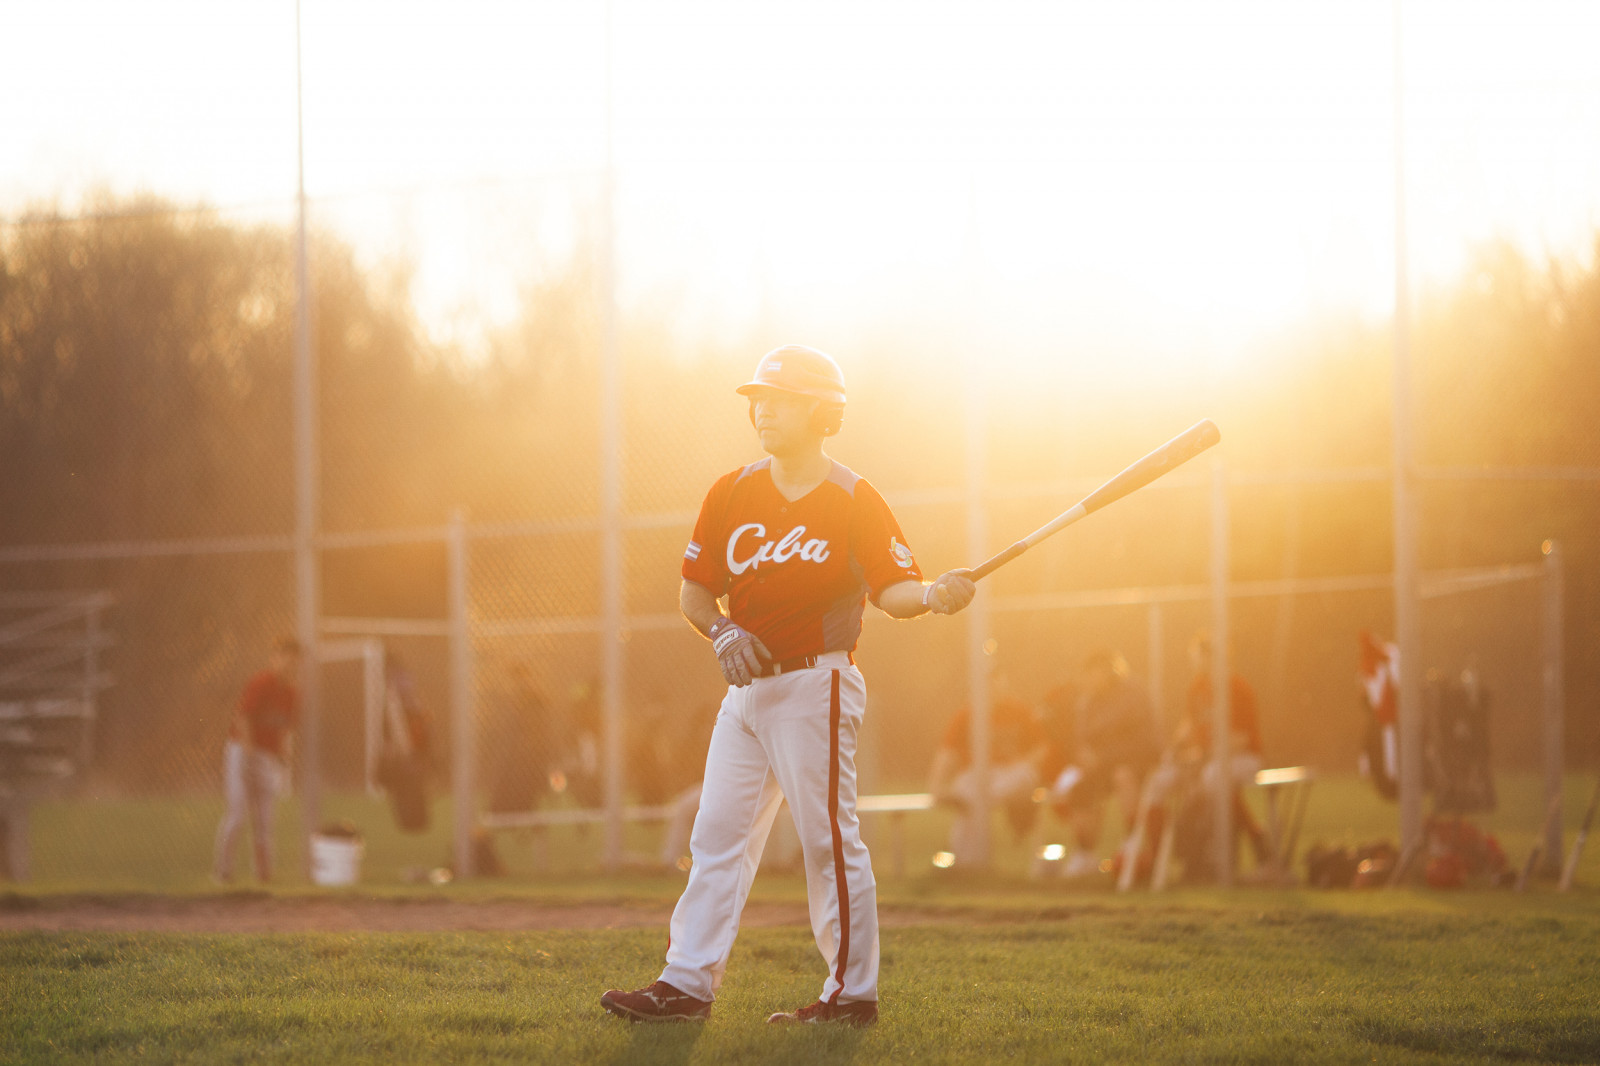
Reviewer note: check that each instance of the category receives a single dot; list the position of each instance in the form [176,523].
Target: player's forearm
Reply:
[945,594]
[699,606]
[903,600]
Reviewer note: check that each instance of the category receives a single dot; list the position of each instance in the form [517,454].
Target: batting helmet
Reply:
[807,372]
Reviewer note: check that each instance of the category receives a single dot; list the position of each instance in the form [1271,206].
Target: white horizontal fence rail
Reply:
[1435,584]
[284,543]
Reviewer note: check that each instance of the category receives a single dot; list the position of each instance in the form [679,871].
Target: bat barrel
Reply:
[987,567]
[1177,451]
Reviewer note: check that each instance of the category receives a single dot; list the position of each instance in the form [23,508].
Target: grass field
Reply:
[164,845]
[975,969]
[1391,977]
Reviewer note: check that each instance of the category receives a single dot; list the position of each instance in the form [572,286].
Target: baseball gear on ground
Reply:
[808,372]
[859,1014]
[740,653]
[1180,449]
[659,1002]
[949,592]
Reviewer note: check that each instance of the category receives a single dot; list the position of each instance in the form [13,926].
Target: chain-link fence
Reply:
[148,567]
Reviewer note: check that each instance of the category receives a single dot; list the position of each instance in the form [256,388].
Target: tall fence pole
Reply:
[1155,645]
[306,578]
[1407,613]
[463,710]
[375,698]
[977,615]
[91,683]
[1554,703]
[611,663]
[1221,675]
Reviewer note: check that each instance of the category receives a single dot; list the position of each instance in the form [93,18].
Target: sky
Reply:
[1160,183]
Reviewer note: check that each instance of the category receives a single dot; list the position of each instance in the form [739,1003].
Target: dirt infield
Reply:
[248,913]
[262,913]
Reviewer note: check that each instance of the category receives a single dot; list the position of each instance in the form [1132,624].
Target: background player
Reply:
[254,759]
[797,543]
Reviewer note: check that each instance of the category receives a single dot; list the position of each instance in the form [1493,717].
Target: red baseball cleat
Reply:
[659,1002]
[859,1013]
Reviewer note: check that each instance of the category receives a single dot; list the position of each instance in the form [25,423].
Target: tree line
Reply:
[145,376]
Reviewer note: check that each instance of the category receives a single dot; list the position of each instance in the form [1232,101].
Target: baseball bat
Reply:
[1177,451]
[1577,845]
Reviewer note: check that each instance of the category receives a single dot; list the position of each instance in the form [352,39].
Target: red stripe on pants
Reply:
[838,837]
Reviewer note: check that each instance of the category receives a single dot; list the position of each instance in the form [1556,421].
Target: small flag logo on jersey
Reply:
[901,553]
[692,552]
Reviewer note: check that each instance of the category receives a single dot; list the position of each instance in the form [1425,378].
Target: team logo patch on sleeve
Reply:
[901,553]
[692,552]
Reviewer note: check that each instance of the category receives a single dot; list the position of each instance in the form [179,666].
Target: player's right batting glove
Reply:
[949,592]
[740,653]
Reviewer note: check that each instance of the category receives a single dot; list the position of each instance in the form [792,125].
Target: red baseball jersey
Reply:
[270,707]
[797,573]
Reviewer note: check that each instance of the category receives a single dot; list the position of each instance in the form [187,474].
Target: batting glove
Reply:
[949,592]
[740,653]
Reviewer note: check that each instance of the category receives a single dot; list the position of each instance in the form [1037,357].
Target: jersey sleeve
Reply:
[705,559]
[878,546]
[254,694]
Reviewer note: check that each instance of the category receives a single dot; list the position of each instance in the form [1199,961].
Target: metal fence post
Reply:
[1407,609]
[978,665]
[1156,653]
[611,591]
[1221,674]
[1554,702]
[464,733]
[307,471]
[91,684]
[374,698]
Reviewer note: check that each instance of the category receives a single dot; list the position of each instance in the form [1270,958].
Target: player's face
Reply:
[783,421]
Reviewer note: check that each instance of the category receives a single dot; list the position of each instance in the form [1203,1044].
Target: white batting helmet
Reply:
[796,368]
[807,372]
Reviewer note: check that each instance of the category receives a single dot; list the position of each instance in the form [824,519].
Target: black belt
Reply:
[803,662]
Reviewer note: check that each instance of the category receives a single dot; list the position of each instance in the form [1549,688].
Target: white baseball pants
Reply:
[1008,782]
[251,781]
[790,736]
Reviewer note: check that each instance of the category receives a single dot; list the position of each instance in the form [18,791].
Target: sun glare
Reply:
[1158,179]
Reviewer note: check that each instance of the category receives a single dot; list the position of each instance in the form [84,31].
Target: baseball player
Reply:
[797,544]
[254,759]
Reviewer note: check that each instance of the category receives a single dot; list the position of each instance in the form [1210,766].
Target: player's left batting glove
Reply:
[740,653]
[949,592]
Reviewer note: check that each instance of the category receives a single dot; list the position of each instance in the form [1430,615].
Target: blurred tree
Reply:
[145,359]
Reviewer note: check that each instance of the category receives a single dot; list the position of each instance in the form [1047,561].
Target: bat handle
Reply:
[983,570]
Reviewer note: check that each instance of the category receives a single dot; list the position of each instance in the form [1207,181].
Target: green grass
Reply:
[1269,978]
[1000,968]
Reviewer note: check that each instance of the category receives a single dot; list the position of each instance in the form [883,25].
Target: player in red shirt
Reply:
[1244,736]
[1020,752]
[254,758]
[798,544]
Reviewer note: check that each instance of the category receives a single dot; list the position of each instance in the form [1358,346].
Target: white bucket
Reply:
[336,860]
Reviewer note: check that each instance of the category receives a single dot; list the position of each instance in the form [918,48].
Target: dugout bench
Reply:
[895,806]
[1285,790]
